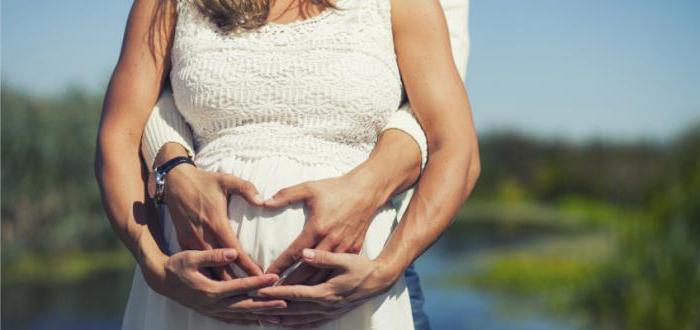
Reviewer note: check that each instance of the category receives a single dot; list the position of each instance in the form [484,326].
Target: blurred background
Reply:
[587,214]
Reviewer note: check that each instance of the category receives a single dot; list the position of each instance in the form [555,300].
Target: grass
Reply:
[65,268]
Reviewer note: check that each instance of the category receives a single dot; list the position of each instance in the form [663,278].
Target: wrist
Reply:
[180,177]
[151,261]
[169,151]
[157,179]
[375,180]
[386,274]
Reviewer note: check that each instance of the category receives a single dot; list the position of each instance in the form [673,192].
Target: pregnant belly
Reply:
[265,233]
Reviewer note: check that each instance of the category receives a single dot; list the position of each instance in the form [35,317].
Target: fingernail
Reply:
[271,319]
[259,198]
[230,254]
[309,254]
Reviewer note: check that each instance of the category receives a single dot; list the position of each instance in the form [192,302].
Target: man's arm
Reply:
[133,88]
[457,18]
[441,104]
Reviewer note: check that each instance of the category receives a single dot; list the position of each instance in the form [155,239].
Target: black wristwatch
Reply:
[156,179]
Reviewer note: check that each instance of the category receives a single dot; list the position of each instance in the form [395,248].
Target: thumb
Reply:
[325,259]
[289,195]
[213,258]
[247,190]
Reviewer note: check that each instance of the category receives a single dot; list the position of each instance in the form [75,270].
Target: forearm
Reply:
[434,204]
[440,102]
[121,181]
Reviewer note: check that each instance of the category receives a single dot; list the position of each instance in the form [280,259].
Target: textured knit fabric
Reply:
[167,125]
[278,106]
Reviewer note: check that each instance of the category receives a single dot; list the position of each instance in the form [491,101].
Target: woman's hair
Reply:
[237,15]
[227,15]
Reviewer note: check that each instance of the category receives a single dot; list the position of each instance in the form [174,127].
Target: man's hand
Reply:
[356,279]
[340,210]
[198,204]
[180,278]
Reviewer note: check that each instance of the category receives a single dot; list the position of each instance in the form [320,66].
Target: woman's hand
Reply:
[180,278]
[356,279]
[198,204]
[340,210]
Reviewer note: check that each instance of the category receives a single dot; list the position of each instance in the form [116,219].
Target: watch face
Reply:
[151,185]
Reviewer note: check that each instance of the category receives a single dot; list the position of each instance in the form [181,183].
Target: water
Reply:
[98,302]
[468,308]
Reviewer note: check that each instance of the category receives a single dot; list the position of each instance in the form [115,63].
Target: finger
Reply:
[315,293]
[300,308]
[356,247]
[213,258]
[325,259]
[289,256]
[233,185]
[244,304]
[289,195]
[224,234]
[322,274]
[343,246]
[243,285]
[224,273]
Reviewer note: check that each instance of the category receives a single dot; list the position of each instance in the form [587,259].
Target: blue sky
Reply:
[558,68]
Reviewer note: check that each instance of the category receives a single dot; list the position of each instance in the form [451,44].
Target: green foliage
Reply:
[50,202]
[654,283]
[66,267]
[612,229]
[622,174]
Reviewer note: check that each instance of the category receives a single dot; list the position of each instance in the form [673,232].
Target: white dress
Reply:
[278,106]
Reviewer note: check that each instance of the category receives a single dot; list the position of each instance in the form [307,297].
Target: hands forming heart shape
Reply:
[339,213]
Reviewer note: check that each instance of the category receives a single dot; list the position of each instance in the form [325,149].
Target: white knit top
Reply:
[318,91]
[166,124]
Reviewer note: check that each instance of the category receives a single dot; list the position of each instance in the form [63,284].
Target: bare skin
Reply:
[135,84]
[446,120]
[441,105]
[359,278]
[340,209]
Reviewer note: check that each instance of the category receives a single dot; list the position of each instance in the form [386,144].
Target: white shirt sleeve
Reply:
[165,125]
[457,16]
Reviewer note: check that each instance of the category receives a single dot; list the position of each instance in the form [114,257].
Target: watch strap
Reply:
[161,171]
[170,164]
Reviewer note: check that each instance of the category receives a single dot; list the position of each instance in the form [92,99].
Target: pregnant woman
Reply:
[286,103]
